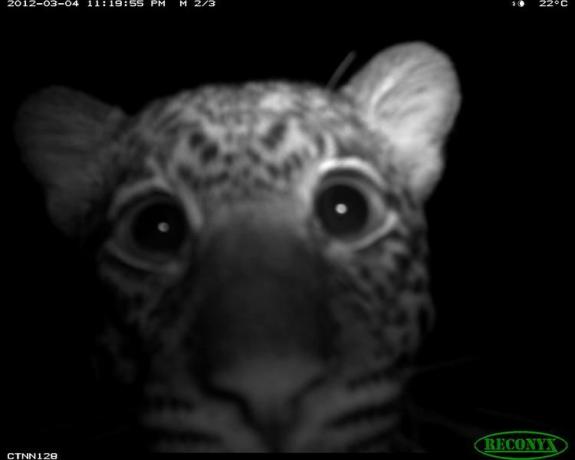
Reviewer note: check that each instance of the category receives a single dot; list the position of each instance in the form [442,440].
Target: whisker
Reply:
[340,70]
[428,416]
[507,415]
[442,365]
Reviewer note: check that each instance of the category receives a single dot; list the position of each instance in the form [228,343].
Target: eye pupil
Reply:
[164,227]
[342,210]
[159,227]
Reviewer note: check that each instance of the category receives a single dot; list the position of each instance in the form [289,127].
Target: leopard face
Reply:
[262,246]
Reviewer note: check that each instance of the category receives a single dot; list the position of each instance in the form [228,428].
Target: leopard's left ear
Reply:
[410,94]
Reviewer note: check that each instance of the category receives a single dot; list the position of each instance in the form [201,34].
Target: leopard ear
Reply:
[409,93]
[63,135]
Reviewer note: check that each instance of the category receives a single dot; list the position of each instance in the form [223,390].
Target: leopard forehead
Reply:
[257,134]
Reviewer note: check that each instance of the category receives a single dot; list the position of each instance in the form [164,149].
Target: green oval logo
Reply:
[530,445]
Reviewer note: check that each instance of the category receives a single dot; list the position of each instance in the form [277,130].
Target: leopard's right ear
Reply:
[63,135]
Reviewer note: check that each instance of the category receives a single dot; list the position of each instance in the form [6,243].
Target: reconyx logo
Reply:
[525,445]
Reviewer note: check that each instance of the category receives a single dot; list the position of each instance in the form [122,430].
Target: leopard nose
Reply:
[263,332]
[269,396]
[260,344]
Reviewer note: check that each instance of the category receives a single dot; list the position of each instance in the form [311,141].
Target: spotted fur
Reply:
[263,331]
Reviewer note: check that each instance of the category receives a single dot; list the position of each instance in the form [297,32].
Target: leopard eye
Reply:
[154,228]
[349,206]
[342,209]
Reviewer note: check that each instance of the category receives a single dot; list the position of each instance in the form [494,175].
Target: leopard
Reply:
[262,247]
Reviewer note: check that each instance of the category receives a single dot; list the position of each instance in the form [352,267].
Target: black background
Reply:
[502,254]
